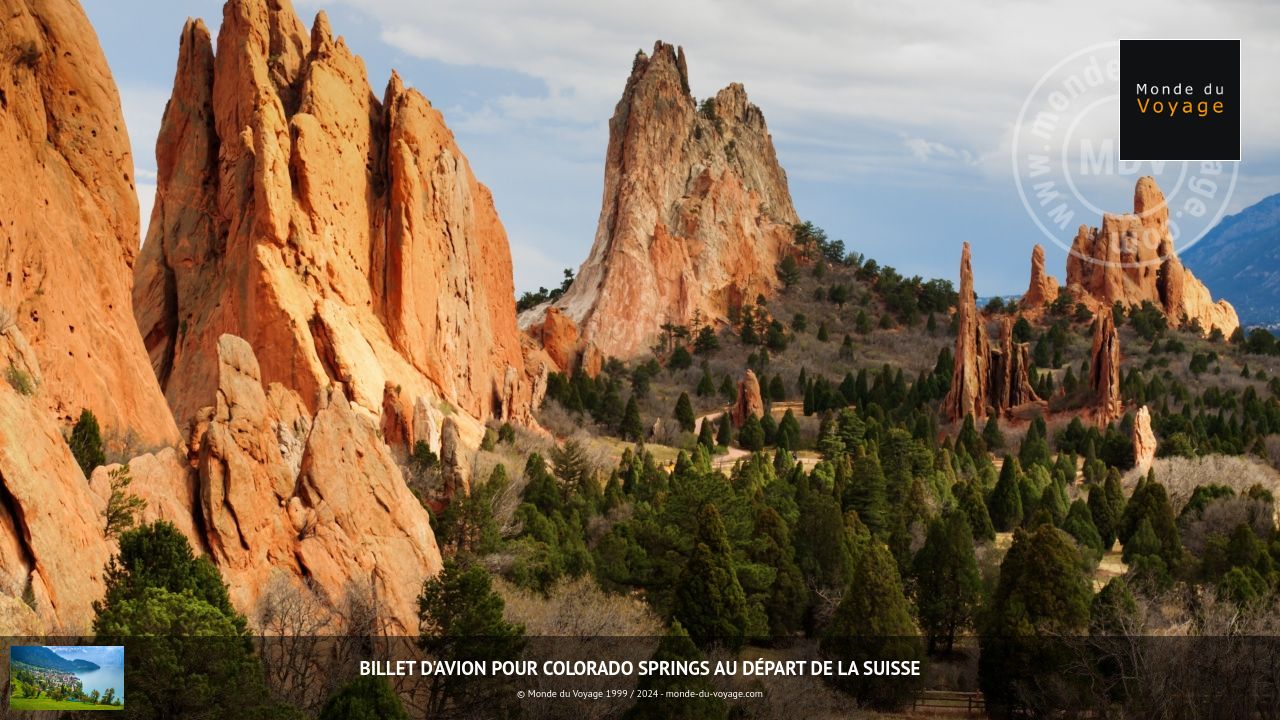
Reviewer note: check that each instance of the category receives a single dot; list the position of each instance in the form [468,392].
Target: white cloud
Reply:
[958,70]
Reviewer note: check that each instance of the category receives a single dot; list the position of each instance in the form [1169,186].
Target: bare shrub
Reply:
[292,619]
[1181,476]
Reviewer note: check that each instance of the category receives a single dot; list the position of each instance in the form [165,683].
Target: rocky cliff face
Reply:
[342,235]
[278,489]
[696,212]
[69,222]
[1130,259]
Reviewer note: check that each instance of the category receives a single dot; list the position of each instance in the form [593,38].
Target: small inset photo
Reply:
[66,677]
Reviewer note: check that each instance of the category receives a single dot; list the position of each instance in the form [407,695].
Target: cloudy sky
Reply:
[894,121]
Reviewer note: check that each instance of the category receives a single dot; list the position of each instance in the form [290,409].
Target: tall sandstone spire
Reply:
[1104,369]
[342,235]
[1131,259]
[696,212]
[968,393]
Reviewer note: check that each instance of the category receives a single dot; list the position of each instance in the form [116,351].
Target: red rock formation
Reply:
[1131,259]
[319,498]
[69,228]
[343,236]
[696,212]
[1009,385]
[559,336]
[749,400]
[1043,289]
[1144,440]
[968,393]
[52,548]
[1104,370]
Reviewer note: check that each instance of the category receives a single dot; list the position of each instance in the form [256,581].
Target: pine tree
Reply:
[751,434]
[365,698]
[969,500]
[787,596]
[461,617]
[1042,595]
[873,622]
[724,433]
[1079,525]
[866,494]
[728,390]
[1113,610]
[706,438]
[676,696]
[823,334]
[991,434]
[86,443]
[1005,503]
[788,437]
[706,386]
[948,586]
[777,390]
[631,427]
[708,599]
[684,413]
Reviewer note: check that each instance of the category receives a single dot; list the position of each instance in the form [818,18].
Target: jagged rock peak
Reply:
[1130,259]
[695,217]
[1043,288]
[343,237]
[968,393]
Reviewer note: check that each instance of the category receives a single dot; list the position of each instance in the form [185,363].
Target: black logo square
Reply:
[1179,99]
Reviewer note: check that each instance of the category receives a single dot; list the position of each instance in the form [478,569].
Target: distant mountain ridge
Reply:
[42,657]
[1240,259]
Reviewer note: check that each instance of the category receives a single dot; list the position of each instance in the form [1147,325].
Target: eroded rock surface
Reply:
[1130,259]
[696,212]
[342,235]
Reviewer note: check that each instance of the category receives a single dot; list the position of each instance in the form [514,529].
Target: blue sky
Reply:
[893,121]
[104,655]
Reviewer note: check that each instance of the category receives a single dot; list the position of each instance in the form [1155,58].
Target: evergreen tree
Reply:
[1150,502]
[969,501]
[873,622]
[631,427]
[724,433]
[190,654]
[1042,595]
[788,432]
[1079,525]
[991,435]
[1005,503]
[948,586]
[86,443]
[708,599]
[684,413]
[706,438]
[866,494]
[461,617]
[751,435]
[706,386]
[728,390]
[823,334]
[787,596]
[365,698]
[677,647]
[777,390]
[1113,610]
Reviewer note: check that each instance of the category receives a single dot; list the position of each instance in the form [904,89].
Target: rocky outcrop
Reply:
[1104,370]
[1144,440]
[1009,385]
[343,236]
[69,234]
[968,393]
[455,475]
[319,498]
[1131,259]
[560,338]
[696,212]
[749,402]
[1042,291]
[52,544]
